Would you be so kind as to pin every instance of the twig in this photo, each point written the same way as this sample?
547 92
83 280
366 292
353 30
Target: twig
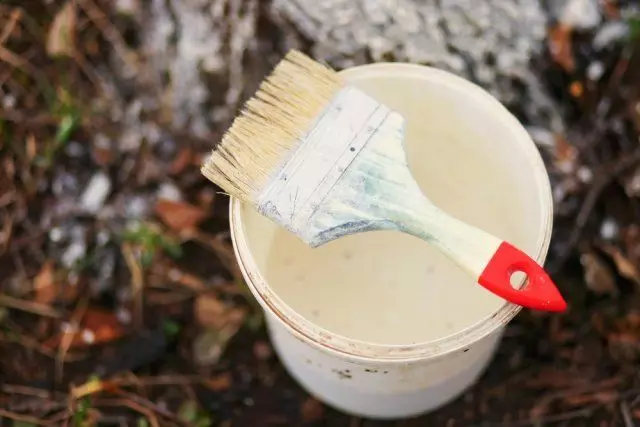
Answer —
605 177
101 20
67 338
27 391
93 387
137 281
217 245
17 62
16 14
153 420
626 414
23 418
7 229
34 344
539 421
29 306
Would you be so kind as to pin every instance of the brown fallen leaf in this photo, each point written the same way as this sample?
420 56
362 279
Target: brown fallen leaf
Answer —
210 343
179 215
598 276
561 46
625 267
311 410
97 326
44 284
210 311
61 36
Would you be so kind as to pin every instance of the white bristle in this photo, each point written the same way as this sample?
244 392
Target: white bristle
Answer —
270 125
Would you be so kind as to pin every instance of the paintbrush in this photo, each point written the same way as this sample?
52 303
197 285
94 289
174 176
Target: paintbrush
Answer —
325 160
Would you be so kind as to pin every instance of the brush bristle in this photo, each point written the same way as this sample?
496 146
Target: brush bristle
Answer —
270 124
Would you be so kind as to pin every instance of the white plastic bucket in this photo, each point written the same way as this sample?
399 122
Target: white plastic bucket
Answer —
473 159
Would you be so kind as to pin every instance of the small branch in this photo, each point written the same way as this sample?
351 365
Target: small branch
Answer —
23 418
29 306
540 421
16 15
26 391
153 420
626 414
101 20
605 177
137 281
67 338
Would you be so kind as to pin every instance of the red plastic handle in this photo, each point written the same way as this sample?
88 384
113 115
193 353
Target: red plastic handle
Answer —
539 293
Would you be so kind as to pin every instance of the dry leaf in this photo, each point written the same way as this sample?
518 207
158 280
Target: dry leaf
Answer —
44 284
60 40
597 275
625 267
210 311
561 47
96 327
210 344
179 215
311 410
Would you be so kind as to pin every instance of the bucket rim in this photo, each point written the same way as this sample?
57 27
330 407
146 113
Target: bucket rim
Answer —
308 332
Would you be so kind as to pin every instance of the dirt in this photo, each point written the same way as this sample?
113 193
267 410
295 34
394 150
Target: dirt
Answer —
120 299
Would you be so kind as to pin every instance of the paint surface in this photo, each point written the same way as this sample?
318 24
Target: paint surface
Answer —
389 288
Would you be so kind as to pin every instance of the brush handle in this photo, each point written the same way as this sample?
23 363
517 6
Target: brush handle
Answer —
538 293
491 261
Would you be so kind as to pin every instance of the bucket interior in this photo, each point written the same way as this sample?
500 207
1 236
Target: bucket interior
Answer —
392 289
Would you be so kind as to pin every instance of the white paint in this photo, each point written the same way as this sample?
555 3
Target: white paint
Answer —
378 353
351 174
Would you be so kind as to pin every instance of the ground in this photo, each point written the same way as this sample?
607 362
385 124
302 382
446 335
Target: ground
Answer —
120 299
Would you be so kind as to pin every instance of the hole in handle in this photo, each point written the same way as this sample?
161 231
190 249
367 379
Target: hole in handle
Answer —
509 268
517 279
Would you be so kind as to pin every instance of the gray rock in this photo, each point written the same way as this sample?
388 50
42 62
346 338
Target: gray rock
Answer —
580 14
205 57
490 42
